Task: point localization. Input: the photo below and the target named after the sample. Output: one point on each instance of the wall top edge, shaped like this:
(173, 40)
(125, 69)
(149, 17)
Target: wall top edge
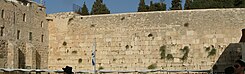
(61, 14)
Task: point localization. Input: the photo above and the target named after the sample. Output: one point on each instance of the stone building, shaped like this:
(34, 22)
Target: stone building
(23, 35)
(168, 40)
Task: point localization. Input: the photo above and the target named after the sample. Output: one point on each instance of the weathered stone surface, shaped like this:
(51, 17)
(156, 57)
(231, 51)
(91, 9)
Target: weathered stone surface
(131, 41)
(24, 32)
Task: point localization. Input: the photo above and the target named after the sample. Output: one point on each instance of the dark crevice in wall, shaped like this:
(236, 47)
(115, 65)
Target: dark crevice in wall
(186, 25)
(69, 21)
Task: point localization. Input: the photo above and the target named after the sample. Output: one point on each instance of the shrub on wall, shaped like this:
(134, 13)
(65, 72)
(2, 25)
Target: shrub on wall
(170, 57)
(186, 52)
(163, 50)
(208, 49)
(101, 68)
(152, 66)
(212, 52)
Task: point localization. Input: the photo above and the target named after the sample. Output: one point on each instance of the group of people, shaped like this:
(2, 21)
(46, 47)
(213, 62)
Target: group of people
(237, 68)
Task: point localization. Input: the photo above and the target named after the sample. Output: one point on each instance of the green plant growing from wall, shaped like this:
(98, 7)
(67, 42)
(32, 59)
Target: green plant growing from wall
(163, 51)
(101, 68)
(207, 49)
(212, 52)
(170, 57)
(152, 66)
(186, 51)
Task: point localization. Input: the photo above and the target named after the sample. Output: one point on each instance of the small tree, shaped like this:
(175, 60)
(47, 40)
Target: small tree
(157, 6)
(104, 9)
(142, 7)
(187, 4)
(160, 6)
(99, 8)
(239, 3)
(152, 6)
(176, 5)
(204, 4)
(84, 10)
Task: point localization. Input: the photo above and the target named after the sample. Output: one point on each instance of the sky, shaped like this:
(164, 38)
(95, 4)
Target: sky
(115, 6)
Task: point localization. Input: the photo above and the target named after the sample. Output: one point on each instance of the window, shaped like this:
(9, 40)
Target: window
(18, 34)
(41, 23)
(3, 14)
(24, 17)
(30, 36)
(1, 31)
(42, 38)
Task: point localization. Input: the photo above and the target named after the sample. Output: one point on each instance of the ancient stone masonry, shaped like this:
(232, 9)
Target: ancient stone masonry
(169, 40)
(23, 35)
(3, 53)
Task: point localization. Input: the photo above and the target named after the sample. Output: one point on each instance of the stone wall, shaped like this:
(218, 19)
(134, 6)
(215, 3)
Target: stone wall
(190, 39)
(23, 26)
(3, 53)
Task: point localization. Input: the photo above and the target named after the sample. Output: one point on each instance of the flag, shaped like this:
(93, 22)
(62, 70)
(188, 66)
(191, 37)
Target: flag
(93, 58)
(93, 53)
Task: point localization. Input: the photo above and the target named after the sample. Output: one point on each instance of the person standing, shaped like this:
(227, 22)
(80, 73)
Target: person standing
(68, 70)
(239, 66)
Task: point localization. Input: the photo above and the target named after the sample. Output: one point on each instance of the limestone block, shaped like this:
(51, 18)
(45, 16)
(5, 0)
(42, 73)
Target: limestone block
(209, 36)
(190, 33)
